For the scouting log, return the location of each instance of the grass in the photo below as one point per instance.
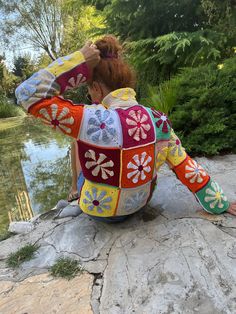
(26, 253)
(66, 268)
(8, 109)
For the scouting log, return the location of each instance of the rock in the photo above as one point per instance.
(69, 211)
(169, 258)
(62, 204)
(43, 294)
(20, 227)
(180, 266)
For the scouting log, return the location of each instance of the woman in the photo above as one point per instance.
(121, 144)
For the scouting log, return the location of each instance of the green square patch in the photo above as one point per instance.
(161, 122)
(212, 198)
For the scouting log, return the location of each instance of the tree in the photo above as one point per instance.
(7, 80)
(137, 19)
(24, 66)
(55, 26)
(37, 22)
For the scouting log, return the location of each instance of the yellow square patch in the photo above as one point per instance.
(99, 199)
(176, 152)
(65, 64)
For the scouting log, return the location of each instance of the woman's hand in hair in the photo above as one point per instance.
(91, 54)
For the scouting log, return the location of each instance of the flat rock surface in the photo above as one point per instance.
(43, 294)
(171, 257)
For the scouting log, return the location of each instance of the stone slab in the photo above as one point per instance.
(43, 294)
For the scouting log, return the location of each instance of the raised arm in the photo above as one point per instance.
(208, 193)
(40, 93)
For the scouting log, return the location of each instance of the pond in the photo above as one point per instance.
(34, 169)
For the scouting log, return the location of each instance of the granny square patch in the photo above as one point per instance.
(176, 152)
(137, 166)
(137, 126)
(39, 85)
(98, 199)
(66, 63)
(101, 127)
(162, 124)
(100, 165)
(191, 174)
(161, 150)
(59, 114)
(212, 198)
(73, 78)
(131, 200)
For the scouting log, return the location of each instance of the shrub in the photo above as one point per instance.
(205, 112)
(8, 109)
(162, 97)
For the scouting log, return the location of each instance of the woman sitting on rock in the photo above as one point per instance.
(121, 144)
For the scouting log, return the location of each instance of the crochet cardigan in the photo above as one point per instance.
(122, 144)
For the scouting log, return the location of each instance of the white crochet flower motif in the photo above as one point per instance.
(195, 172)
(75, 82)
(99, 164)
(138, 128)
(215, 196)
(140, 167)
(55, 120)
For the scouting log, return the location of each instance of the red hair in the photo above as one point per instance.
(112, 70)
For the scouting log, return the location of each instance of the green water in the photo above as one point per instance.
(34, 169)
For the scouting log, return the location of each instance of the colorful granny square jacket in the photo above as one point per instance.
(121, 144)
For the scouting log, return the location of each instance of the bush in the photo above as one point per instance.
(205, 112)
(162, 97)
(8, 109)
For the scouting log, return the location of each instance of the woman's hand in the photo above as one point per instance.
(232, 209)
(91, 54)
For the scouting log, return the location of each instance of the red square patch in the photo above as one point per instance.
(99, 164)
(137, 126)
(137, 166)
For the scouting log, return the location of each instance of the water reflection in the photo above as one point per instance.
(34, 169)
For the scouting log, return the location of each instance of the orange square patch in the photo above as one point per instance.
(137, 166)
(59, 114)
(191, 174)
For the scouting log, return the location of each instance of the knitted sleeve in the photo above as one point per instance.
(208, 193)
(39, 94)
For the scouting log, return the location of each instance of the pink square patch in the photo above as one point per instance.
(99, 164)
(137, 126)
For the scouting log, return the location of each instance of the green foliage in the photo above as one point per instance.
(8, 81)
(8, 109)
(5, 235)
(158, 59)
(135, 19)
(24, 254)
(205, 112)
(163, 97)
(24, 66)
(66, 268)
(82, 23)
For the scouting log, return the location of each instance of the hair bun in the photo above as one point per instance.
(109, 47)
